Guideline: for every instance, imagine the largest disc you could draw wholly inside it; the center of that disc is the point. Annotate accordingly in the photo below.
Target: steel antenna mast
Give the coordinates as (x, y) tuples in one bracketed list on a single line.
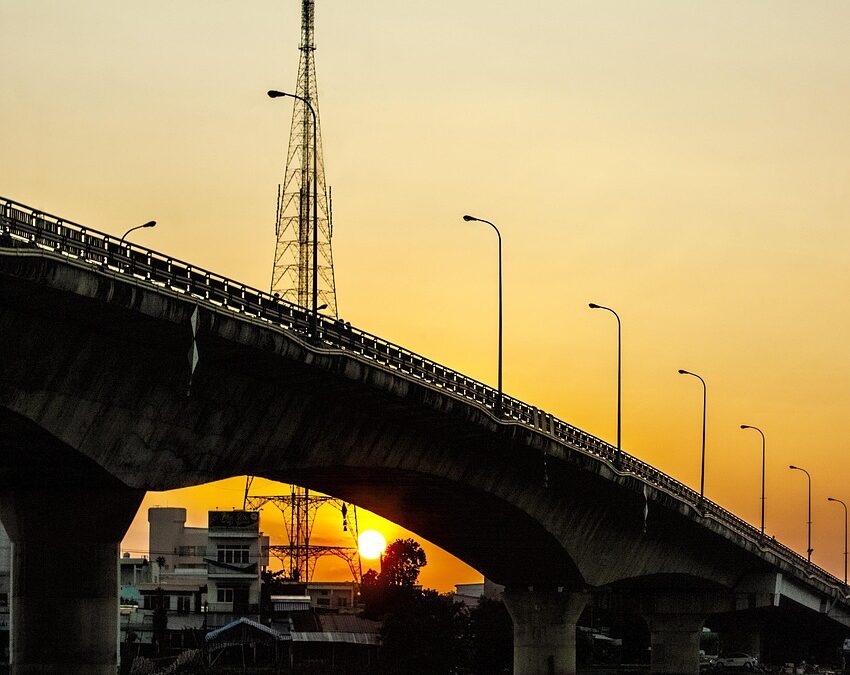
[(292, 275), (292, 272)]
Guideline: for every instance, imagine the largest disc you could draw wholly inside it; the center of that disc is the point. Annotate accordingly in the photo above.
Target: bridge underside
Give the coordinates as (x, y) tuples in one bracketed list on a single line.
[(95, 400)]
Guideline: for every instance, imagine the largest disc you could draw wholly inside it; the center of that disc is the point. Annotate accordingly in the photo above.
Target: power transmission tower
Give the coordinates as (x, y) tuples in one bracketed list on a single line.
[(298, 556), (292, 275)]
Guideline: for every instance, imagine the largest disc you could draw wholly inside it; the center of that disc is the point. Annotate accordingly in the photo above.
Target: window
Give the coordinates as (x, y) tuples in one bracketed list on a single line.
[(224, 594), (184, 604), (192, 551), (233, 553), (152, 601), (342, 602), (323, 602)]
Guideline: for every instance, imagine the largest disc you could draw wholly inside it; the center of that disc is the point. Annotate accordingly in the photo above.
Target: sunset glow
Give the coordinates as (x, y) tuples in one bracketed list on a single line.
[(683, 163), (371, 544)]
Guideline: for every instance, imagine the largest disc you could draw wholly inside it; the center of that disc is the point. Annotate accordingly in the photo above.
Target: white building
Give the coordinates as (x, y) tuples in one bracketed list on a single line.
[(196, 574), (335, 595), (237, 553)]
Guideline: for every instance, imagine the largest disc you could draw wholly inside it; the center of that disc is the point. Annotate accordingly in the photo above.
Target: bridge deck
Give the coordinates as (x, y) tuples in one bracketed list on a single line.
[(21, 225)]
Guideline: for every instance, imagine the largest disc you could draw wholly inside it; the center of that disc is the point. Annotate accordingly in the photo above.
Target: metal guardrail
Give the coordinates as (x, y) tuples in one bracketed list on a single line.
[(47, 232)]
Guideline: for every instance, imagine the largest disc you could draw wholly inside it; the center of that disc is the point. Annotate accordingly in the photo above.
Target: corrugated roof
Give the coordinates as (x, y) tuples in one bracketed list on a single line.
[(295, 605), (219, 633), (348, 623), (349, 638)]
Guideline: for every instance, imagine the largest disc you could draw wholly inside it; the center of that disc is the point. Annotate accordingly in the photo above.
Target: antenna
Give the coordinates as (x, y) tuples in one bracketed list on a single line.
[(292, 272)]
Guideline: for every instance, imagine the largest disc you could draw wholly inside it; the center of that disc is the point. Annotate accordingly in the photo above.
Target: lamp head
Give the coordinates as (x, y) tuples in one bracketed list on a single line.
[(683, 372), (746, 426), (593, 305), (150, 223), (791, 466), (321, 307), (273, 93), (830, 499), (468, 218)]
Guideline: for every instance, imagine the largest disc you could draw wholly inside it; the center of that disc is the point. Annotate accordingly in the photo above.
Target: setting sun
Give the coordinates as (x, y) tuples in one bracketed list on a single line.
[(371, 544)]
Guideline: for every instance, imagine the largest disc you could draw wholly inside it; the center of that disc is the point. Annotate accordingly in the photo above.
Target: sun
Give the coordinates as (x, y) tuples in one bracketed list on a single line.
[(371, 544)]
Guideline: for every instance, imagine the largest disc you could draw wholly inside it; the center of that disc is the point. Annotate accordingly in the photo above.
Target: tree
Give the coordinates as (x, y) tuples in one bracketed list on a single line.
[(401, 563), (271, 583), (426, 636), (395, 585)]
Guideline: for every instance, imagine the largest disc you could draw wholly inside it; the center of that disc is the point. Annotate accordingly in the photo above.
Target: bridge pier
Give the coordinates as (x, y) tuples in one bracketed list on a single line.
[(675, 643), (544, 629), (64, 579), (675, 620)]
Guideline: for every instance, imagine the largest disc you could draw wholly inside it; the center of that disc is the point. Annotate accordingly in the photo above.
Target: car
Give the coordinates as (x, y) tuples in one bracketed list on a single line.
[(738, 660)]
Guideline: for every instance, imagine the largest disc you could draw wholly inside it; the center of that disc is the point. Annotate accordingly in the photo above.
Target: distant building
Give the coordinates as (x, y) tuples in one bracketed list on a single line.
[(468, 594), (237, 553), (333, 595), (204, 577)]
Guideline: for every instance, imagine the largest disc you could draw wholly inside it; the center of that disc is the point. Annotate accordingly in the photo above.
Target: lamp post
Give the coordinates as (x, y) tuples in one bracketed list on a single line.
[(831, 499), (499, 235), (809, 523), (314, 322), (749, 426), (702, 460), (593, 305), (150, 223)]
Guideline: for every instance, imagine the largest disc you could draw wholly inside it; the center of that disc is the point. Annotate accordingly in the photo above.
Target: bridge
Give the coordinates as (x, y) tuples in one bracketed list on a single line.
[(99, 403)]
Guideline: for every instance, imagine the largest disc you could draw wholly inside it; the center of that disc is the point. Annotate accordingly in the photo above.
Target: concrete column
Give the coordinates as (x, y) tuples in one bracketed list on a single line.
[(544, 629), (675, 643), (64, 579)]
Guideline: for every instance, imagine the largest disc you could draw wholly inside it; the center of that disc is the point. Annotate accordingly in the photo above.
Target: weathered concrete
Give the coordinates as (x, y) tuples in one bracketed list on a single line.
[(544, 629), (64, 599), (674, 640), (97, 361), (675, 619), (65, 517)]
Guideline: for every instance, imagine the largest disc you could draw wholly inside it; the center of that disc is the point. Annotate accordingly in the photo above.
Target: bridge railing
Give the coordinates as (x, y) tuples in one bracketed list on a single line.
[(36, 228)]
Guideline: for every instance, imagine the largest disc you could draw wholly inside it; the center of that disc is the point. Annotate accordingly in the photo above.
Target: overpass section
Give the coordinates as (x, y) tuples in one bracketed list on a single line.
[(98, 403)]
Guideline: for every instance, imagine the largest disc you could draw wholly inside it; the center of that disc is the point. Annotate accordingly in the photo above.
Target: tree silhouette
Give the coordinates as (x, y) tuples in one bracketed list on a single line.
[(401, 563)]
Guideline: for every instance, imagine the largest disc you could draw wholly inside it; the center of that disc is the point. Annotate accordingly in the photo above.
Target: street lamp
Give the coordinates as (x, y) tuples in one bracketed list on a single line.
[(593, 305), (315, 318), (749, 426), (831, 499), (809, 523), (499, 235), (702, 461), (150, 223)]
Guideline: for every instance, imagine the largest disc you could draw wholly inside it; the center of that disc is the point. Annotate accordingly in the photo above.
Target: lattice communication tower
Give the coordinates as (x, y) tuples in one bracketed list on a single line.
[(292, 276), (292, 279)]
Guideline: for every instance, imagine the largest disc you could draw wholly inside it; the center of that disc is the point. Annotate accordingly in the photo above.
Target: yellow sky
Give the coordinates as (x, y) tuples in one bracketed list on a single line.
[(684, 162)]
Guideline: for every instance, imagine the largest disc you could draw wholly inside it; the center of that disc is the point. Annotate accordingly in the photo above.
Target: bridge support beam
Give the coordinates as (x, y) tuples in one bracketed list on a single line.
[(675, 643), (64, 578), (544, 629), (675, 620)]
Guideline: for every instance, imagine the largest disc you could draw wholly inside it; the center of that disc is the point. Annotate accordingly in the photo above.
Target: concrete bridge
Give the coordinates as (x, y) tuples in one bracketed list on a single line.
[(96, 407)]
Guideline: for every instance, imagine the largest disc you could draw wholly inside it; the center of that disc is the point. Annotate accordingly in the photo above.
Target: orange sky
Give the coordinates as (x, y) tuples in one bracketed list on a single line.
[(684, 162)]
